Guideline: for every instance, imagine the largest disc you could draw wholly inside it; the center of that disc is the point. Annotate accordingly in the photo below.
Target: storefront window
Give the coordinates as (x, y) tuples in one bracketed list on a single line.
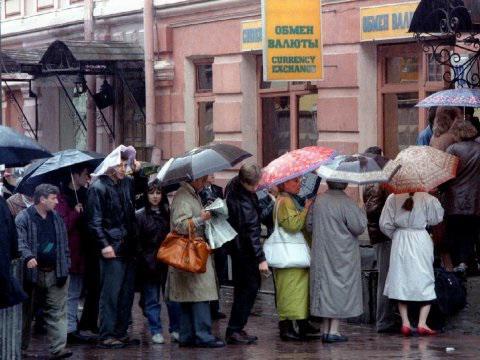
[(307, 120), (276, 127), (402, 69), (204, 77), (400, 122), (205, 123), (435, 72)]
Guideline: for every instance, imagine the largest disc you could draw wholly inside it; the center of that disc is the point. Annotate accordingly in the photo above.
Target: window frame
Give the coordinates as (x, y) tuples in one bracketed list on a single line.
[(293, 91), (201, 96), (196, 64), (422, 86)]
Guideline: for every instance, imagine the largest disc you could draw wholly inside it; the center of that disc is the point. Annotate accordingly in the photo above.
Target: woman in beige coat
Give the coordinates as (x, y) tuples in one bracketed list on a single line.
[(193, 291)]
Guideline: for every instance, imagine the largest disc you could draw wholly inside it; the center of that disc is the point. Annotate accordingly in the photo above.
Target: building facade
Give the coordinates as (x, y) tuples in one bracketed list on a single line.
[(208, 76)]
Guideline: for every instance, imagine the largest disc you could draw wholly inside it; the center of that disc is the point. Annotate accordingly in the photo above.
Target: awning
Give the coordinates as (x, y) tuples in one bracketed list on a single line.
[(93, 57), (69, 56), (21, 60)]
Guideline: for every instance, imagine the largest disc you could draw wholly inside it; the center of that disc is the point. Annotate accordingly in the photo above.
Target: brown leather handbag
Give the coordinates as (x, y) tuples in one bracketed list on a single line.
[(186, 253)]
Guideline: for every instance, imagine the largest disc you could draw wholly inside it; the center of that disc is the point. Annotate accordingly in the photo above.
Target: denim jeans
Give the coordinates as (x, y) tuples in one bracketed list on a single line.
[(151, 305), (116, 296), (74, 293), (195, 322)]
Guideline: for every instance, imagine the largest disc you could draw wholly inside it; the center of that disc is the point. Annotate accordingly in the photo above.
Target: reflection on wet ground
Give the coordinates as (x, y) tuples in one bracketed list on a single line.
[(364, 343)]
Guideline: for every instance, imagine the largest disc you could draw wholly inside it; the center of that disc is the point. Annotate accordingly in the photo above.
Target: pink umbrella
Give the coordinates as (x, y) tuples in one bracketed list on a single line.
[(294, 164)]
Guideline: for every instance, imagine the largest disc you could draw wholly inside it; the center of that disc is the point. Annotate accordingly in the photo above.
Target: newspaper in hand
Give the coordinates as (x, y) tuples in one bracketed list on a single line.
[(217, 230), (218, 207)]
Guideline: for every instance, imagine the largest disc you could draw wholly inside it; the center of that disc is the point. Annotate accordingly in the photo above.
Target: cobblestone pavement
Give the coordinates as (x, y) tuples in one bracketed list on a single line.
[(364, 343)]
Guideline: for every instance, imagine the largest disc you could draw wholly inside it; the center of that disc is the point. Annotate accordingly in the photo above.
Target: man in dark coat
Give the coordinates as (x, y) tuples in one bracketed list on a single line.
[(11, 292), (111, 220), (248, 259), (374, 198)]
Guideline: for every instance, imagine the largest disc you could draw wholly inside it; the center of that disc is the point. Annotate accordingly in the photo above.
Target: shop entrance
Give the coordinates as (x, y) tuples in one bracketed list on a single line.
[(406, 75), (288, 113)]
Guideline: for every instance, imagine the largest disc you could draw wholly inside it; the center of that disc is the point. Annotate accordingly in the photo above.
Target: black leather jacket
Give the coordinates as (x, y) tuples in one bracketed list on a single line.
[(244, 215), (111, 214)]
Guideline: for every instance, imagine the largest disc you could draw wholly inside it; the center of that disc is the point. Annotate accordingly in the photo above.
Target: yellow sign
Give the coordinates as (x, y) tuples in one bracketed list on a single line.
[(292, 40), (386, 22), (251, 35)]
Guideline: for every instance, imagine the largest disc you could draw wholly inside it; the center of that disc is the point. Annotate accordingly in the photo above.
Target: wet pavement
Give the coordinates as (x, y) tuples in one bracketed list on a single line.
[(364, 343)]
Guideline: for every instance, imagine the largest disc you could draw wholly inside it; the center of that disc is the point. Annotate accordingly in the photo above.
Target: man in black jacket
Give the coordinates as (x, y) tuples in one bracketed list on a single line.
[(110, 217), (248, 259)]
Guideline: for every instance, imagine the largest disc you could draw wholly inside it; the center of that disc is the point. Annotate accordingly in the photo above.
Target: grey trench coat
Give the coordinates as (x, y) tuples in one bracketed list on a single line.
[(184, 286), (335, 272)]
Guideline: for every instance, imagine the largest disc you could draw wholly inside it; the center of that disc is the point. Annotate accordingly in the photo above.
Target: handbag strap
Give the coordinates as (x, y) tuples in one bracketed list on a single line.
[(191, 229)]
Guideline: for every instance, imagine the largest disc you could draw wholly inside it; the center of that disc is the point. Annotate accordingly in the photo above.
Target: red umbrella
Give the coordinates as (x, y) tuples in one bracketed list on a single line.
[(423, 168), (294, 164)]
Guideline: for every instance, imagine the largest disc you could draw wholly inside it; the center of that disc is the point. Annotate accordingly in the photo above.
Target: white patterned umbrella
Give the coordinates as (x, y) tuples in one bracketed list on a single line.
[(423, 168)]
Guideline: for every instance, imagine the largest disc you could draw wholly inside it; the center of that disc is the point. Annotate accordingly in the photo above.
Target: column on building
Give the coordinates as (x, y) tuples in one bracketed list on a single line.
[(235, 106)]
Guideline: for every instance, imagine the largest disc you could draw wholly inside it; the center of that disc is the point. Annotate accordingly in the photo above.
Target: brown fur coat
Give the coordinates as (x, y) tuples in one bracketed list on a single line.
[(450, 127)]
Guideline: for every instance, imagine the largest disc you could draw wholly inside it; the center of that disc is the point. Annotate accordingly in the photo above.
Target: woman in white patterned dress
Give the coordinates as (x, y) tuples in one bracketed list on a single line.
[(410, 277)]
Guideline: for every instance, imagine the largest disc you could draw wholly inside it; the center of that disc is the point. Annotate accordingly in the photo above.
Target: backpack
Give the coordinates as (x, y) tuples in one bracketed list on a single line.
[(451, 294)]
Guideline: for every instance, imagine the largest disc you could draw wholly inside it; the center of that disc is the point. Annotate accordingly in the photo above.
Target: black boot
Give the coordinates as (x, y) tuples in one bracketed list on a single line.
[(307, 331), (287, 332)]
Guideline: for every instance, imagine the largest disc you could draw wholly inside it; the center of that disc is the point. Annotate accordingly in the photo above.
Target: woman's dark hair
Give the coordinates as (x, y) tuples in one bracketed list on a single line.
[(44, 190), (164, 206), (408, 204)]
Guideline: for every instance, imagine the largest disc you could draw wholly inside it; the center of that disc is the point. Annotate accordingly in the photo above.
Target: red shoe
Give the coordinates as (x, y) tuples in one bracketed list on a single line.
[(406, 330), (426, 332)]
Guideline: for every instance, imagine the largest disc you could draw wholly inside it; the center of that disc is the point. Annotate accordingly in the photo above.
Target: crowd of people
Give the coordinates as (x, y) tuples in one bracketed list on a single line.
[(87, 238)]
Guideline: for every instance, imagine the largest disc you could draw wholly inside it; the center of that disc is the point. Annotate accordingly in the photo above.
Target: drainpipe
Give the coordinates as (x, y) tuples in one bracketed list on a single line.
[(88, 25), (149, 74)]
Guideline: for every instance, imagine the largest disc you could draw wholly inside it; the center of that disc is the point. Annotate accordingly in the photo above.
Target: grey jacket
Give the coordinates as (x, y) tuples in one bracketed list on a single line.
[(27, 244)]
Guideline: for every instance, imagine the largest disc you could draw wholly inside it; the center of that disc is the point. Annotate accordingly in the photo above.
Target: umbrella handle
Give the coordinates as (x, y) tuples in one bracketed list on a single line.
[(74, 187)]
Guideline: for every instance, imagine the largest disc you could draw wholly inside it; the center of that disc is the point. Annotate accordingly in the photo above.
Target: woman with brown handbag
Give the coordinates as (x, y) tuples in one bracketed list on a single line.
[(193, 291)]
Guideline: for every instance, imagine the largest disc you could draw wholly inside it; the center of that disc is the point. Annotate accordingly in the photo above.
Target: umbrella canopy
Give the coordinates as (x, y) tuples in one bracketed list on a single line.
[(358, 169), (201, 161), (56, 168), (294, 164), (430, 15), (462, 97), (423, 168), (18, 150)]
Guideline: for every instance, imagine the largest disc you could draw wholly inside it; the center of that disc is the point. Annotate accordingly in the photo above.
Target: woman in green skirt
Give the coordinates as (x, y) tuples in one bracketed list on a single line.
[(292, 284)]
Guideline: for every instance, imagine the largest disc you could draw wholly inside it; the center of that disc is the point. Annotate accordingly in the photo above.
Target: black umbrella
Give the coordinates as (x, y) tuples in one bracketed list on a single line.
[(431, 16), (57, 168), (201, 161), (18, 150)]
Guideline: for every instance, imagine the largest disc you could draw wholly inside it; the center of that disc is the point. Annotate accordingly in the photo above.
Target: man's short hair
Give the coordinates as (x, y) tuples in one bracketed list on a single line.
[(44, 190), (250, 174)]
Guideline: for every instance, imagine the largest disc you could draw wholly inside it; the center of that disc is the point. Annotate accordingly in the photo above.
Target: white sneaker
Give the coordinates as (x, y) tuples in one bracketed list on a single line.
[(175, 336), (158, 339)]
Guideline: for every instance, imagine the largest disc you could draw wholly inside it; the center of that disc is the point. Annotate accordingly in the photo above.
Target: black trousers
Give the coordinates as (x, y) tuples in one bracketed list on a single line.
[(246, 282), (89, 320), (462, 234)]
